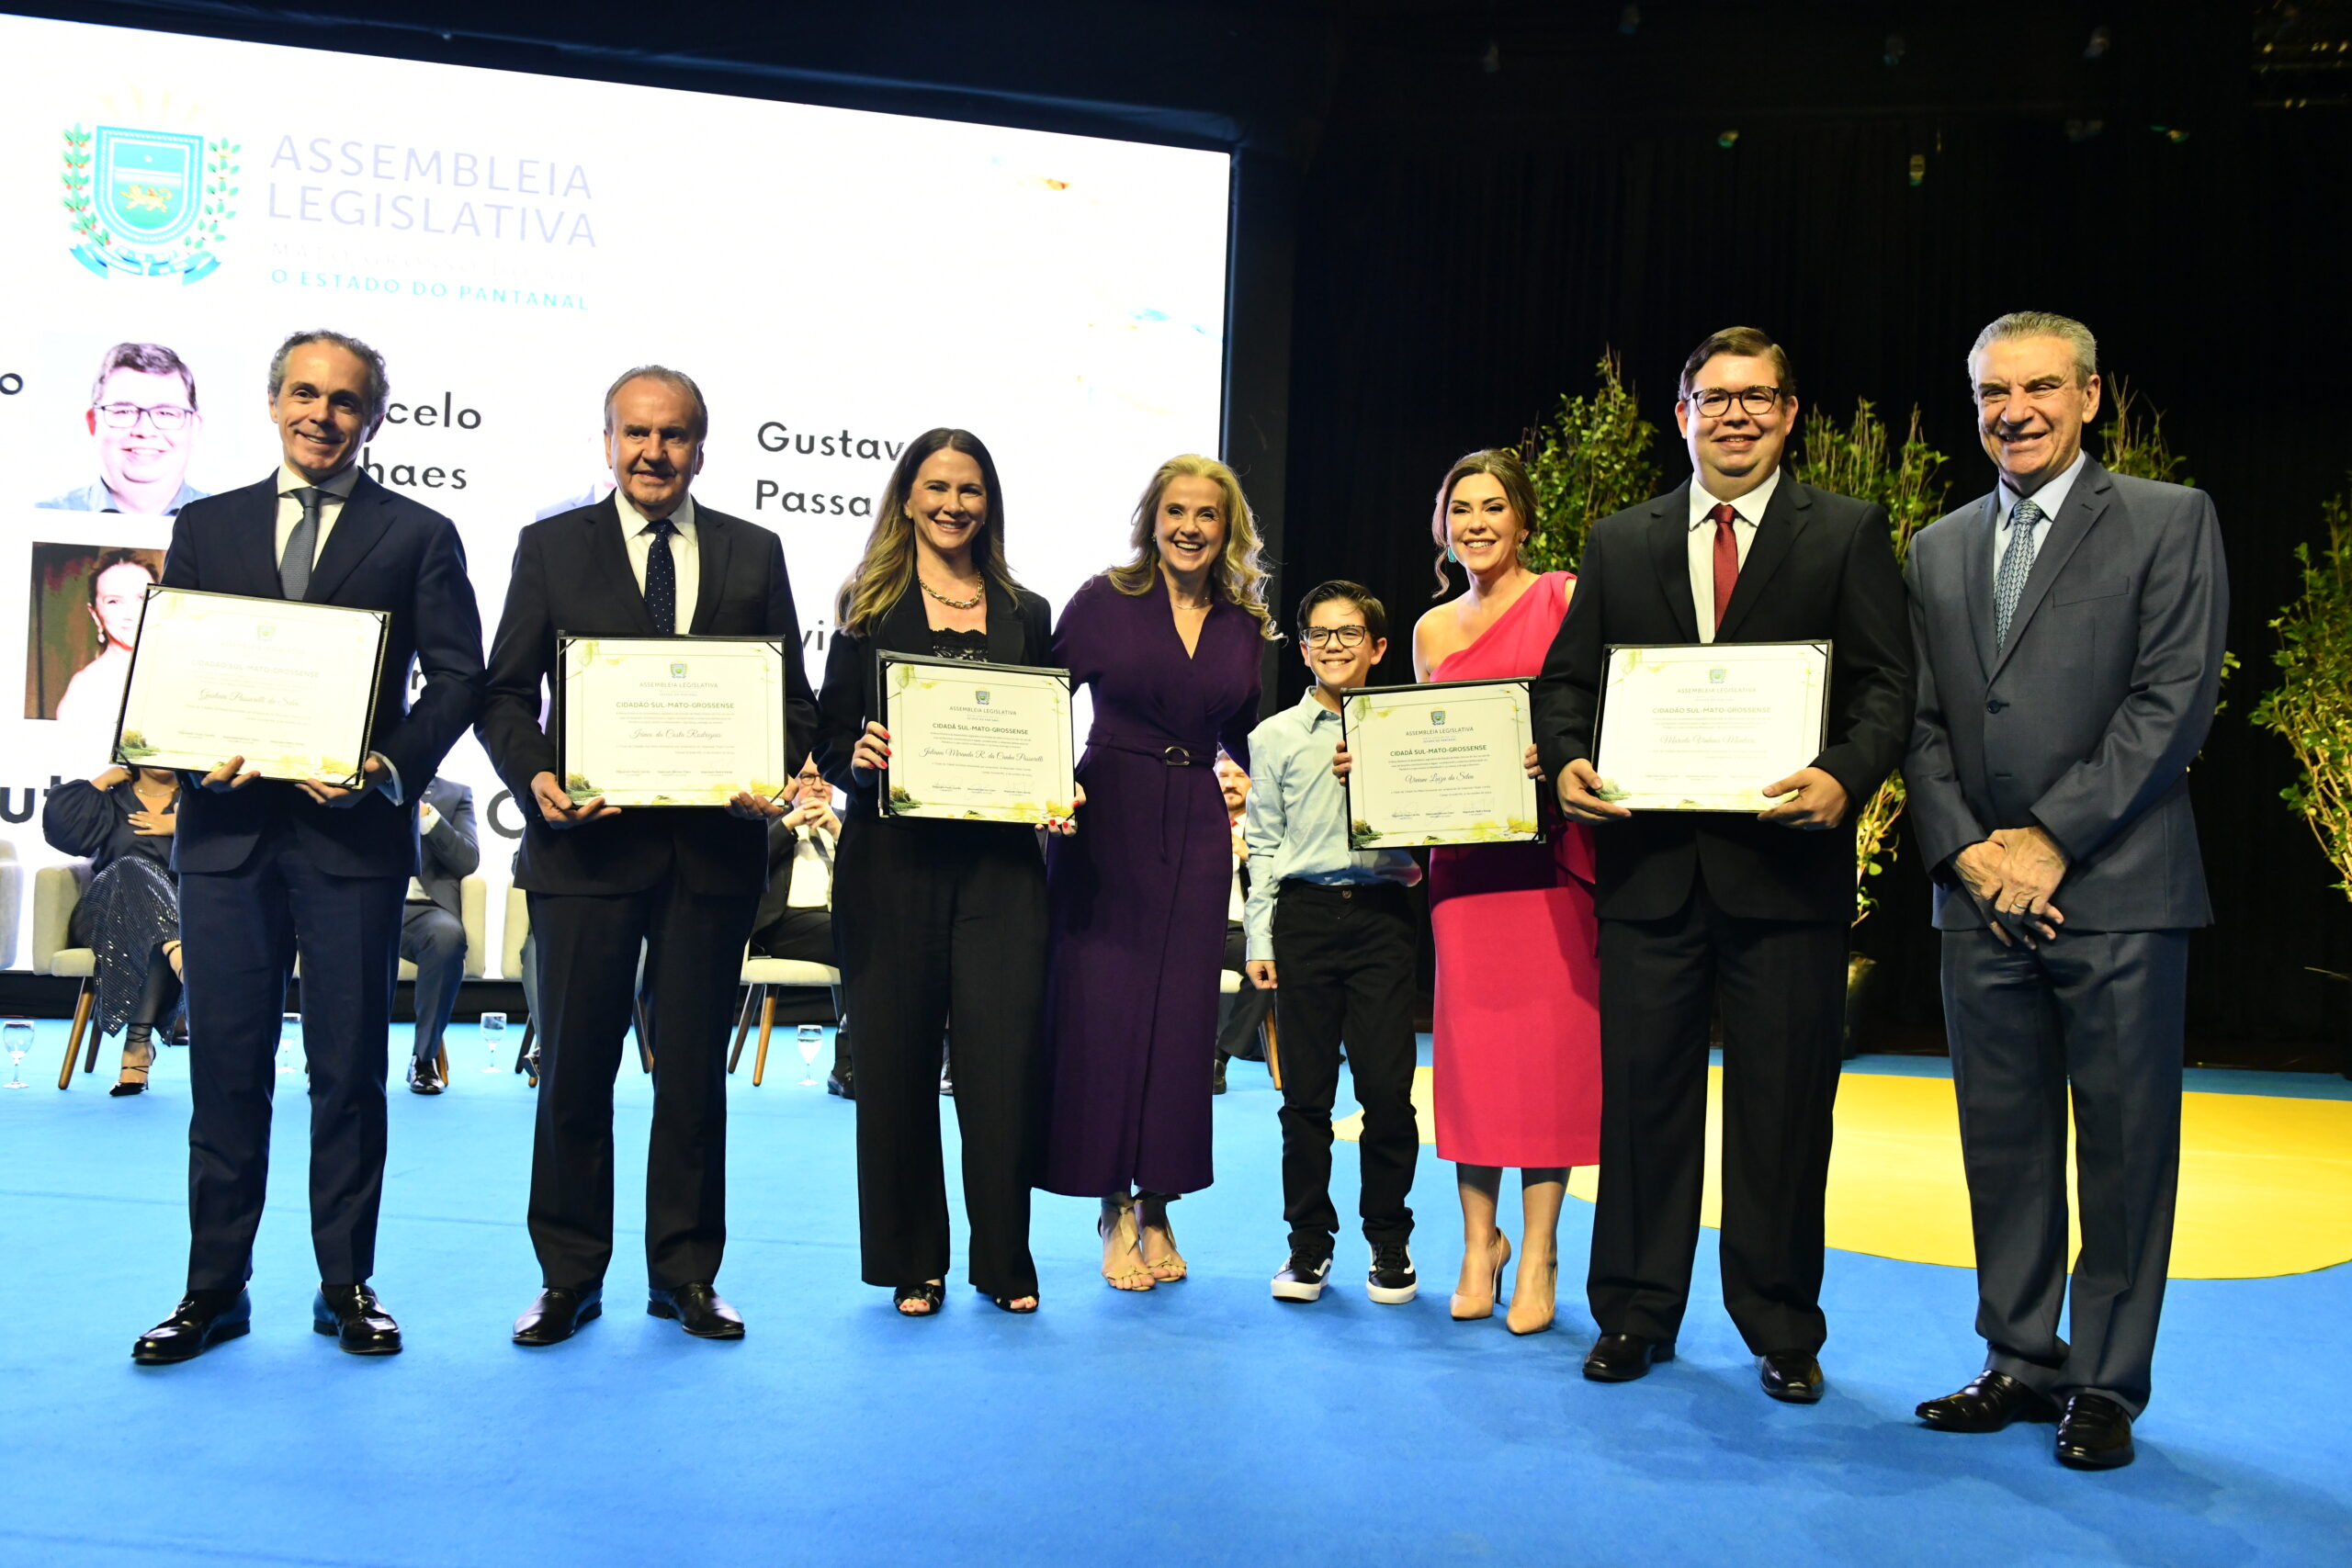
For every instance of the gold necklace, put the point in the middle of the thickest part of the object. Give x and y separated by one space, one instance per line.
978 594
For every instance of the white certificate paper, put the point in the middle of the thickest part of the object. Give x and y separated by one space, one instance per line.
1704 727
977 742
1445 764
290 687
672 721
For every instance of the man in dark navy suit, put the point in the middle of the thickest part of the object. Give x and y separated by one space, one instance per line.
681 884
270 870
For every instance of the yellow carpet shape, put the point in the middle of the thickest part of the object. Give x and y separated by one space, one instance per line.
2265 1183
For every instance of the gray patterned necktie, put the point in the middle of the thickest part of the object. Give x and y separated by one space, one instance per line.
294 565
2017 564
660 578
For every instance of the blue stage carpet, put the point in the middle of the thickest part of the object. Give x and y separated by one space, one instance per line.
1198 1424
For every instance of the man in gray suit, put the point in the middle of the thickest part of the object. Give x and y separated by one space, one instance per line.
2069 633
433 927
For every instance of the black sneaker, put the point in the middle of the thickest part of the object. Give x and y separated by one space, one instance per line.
1392 1281
1301 1278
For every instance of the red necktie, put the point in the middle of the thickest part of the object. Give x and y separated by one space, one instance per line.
1727 559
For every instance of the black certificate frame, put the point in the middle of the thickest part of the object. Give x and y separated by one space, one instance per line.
885 657
563 709
1609 652
383 619
1413 692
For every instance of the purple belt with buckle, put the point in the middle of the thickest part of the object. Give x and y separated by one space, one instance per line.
1168 752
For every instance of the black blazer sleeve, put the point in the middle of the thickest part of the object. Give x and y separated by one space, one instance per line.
448 652
521 655
1567 693
783 621
1872 665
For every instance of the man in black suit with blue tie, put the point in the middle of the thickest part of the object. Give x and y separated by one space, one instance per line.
272 869
681 883
2069 629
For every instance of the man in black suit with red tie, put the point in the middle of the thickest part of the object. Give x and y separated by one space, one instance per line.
1747 912
683 883
271 869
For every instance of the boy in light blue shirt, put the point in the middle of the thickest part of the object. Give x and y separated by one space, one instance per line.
1329 931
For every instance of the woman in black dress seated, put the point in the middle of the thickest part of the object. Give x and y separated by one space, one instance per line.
129 914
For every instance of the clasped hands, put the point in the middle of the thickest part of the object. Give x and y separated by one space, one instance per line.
2013 875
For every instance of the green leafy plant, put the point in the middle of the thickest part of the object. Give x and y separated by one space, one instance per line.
1854 460
2311 708
2133 445
1595 456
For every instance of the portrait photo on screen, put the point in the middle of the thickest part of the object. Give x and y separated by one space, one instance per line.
80 626
139 433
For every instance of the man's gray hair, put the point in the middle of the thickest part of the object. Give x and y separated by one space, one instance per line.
2042 323
676 380
379 385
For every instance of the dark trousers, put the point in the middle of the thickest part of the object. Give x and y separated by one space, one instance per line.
434 941
692 944
806 936
1239 1014
1781 990
941 928
242 931
1343 973
2103 1011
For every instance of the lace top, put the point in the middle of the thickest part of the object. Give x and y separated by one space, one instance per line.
972 648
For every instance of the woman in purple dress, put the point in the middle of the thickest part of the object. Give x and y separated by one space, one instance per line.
1170 643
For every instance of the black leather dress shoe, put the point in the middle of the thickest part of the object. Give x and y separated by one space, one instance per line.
202 1320
2094 1434
555 1315
1792 1377
1990 1402
357 1320
424 1078
700 1310
1622 1358
841 1084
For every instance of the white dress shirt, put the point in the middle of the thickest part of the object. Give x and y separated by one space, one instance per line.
1749 511
637 535
811 886
333 493
2050 498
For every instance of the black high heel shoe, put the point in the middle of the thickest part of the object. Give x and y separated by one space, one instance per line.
126 1084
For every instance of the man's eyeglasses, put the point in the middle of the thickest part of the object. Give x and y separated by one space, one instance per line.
1714 402
161 416
1322 637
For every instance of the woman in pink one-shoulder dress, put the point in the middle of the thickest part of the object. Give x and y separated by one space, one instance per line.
1517 1039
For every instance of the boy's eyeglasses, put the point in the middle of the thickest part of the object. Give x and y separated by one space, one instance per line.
1320 637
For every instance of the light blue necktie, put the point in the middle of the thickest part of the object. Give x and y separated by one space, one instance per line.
301 544
2017 565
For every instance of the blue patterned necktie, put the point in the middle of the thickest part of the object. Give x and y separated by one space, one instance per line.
2017 564
301 544
660 578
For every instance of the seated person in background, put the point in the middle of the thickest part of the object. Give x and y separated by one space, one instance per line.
796 918
118 585
1241 1014
130 913
433 928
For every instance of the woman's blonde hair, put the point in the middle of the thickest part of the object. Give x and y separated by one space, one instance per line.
1237 574
1508 472
887 569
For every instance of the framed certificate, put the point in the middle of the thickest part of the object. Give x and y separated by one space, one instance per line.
1445 764
290 687
1704 727
672 721
977 742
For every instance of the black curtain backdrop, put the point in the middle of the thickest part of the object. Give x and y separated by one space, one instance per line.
1451 286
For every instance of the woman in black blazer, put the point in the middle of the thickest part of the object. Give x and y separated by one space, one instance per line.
940 925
